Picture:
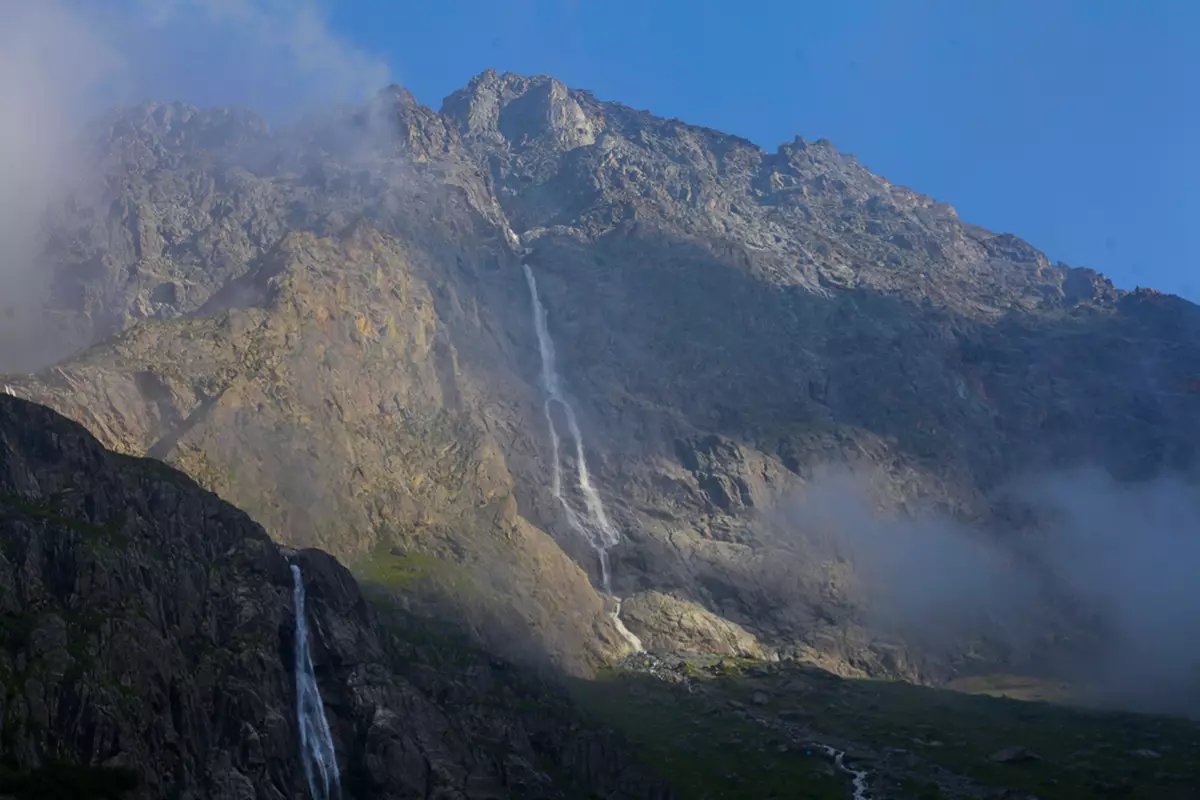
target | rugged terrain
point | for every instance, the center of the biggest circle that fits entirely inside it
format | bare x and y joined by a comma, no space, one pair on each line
740,728
328,326
146,635
146,640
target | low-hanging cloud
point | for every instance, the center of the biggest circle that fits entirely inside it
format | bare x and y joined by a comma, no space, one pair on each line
278,56
63,62
1102,590
51,61
917,574
1131,552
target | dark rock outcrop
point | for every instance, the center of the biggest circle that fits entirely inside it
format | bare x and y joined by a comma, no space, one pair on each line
147,625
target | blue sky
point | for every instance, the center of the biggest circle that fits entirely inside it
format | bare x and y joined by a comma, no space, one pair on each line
1072,123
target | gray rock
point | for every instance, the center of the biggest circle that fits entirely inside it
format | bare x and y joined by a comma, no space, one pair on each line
1013,755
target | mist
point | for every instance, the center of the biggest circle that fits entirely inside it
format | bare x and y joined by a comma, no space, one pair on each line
50,63
64,62
1103,592
1131,552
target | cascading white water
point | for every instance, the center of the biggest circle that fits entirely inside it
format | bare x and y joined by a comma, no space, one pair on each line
859,776
316,741
593,524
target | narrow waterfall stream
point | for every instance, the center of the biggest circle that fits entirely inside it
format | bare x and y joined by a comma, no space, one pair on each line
859,776
316,742
591,522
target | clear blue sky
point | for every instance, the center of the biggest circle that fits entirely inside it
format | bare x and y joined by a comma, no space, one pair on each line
1072,123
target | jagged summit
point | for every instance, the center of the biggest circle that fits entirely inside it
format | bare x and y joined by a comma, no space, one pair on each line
398,94
518,109
537,121
539,117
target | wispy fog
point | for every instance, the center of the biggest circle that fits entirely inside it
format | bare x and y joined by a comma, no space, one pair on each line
51,62
1119,563
1132,553
64,61
920,575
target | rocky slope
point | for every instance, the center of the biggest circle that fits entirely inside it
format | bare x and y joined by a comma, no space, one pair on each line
147,625
329,326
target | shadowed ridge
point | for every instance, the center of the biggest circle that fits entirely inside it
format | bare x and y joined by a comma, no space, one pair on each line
178,669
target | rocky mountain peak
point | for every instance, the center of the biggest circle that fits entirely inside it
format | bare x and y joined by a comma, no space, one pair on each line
520,111
397,94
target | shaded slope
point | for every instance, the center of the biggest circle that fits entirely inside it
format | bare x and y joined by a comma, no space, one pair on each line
735,728
337,411
147,626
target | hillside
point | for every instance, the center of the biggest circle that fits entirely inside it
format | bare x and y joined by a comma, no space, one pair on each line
329,326
146,633
146,641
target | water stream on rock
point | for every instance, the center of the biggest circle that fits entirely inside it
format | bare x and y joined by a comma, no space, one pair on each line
859,775
593,523
316,741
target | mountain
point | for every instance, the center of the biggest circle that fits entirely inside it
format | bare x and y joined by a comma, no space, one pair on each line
147,641
330,327
146,633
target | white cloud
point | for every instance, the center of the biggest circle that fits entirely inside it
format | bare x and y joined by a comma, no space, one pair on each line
269,49
63,61
51,61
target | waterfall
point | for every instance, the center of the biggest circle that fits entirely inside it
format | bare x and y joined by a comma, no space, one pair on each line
859,776
592,523
316,742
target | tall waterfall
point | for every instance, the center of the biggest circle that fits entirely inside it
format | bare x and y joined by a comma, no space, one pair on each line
316,741
592,522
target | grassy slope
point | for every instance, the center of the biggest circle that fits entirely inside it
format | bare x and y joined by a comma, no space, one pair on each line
708,743
704,751
919,743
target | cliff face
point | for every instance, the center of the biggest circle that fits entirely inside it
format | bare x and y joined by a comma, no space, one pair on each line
329,327
148,625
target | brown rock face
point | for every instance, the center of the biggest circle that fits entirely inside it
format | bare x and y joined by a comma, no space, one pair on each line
334,406
329,327
148,625
663,622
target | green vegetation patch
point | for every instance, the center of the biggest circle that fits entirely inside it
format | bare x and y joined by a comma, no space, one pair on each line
917,738
1067,753
394,570
1018,687
445,583
700,748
